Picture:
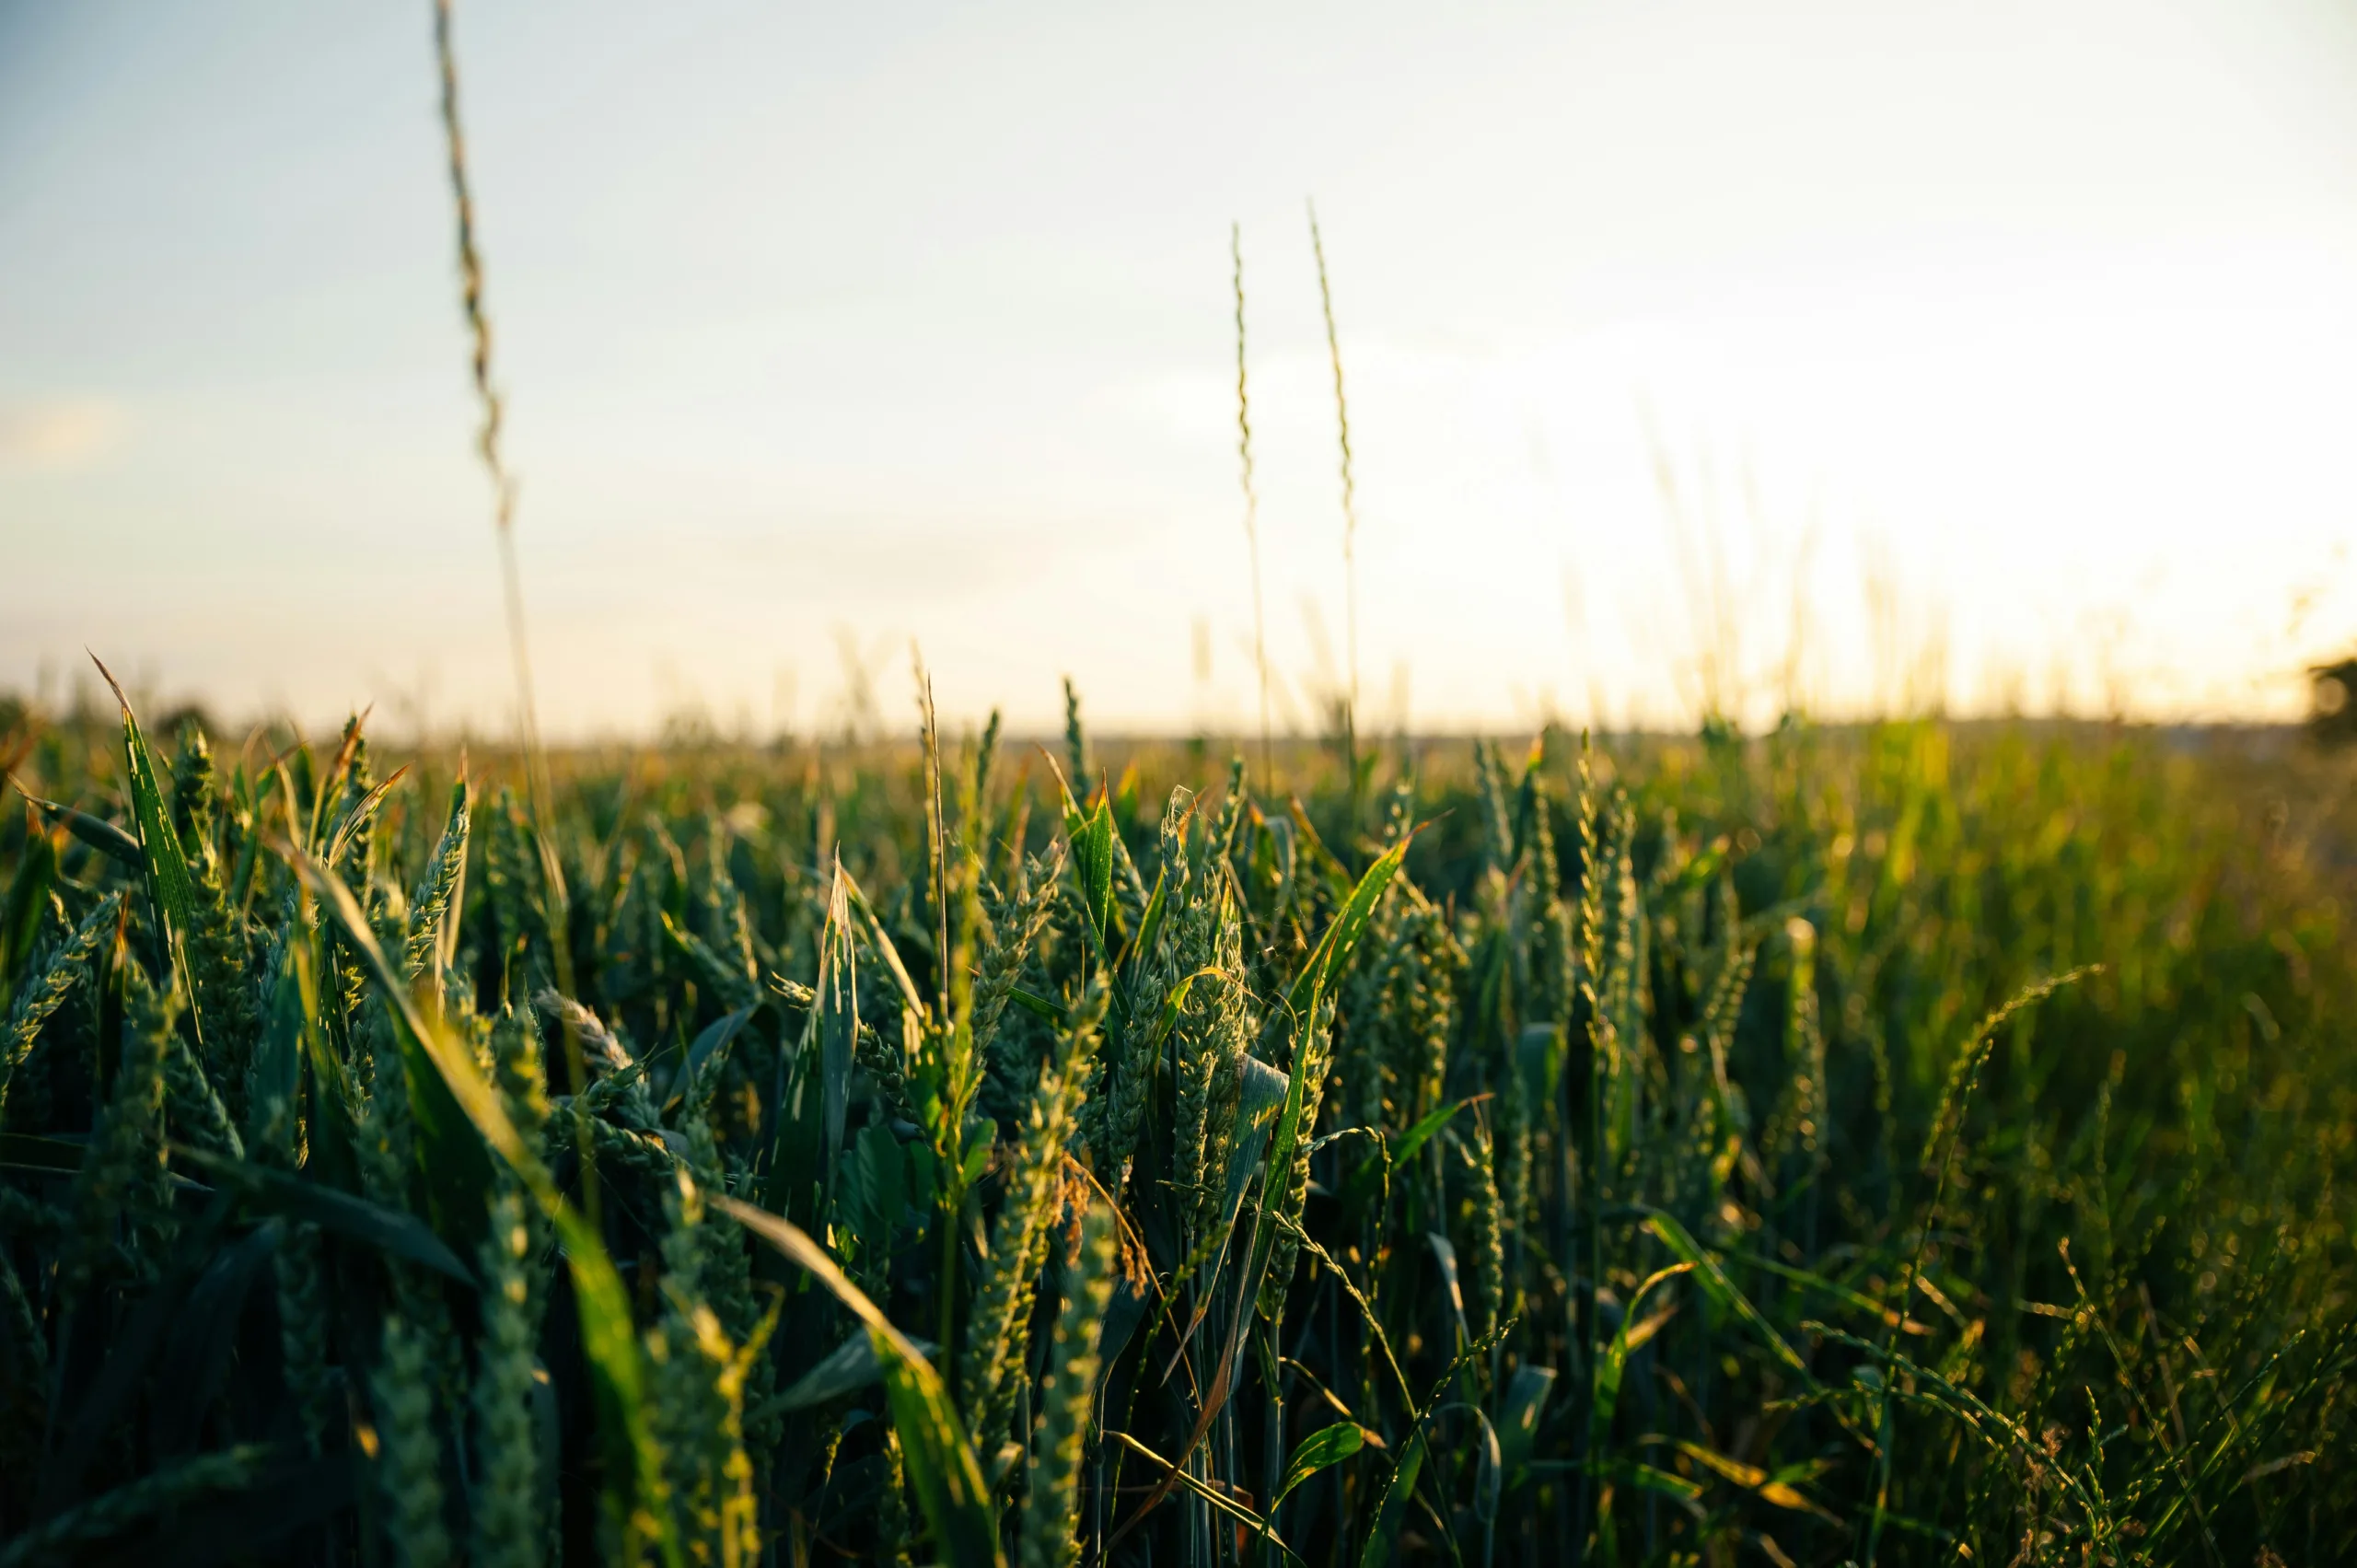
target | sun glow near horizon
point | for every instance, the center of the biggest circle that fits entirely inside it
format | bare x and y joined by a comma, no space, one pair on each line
1861,358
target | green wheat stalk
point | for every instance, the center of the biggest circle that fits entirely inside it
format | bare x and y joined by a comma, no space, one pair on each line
411,1471
35,1004
1018,1240
508,1530
1051,1532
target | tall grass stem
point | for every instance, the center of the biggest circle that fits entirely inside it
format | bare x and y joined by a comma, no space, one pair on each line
1349,495
538,788
1251,503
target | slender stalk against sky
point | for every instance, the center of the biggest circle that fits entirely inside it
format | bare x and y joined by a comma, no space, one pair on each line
1350,489
1251,499
503,484
537,785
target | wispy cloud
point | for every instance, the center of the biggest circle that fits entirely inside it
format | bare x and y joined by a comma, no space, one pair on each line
58,432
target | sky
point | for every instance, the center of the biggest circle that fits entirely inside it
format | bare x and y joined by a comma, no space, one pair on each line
1703,352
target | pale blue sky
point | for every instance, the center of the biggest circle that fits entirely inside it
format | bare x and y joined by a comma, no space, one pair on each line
902,323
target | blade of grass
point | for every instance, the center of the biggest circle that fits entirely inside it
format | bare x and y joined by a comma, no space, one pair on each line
1217,1498
276,1191
96,832
1252,508
941,1462
838,1014
1325,1446
169,882
1616,1358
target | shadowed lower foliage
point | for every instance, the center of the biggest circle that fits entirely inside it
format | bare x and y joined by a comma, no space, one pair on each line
1898,1144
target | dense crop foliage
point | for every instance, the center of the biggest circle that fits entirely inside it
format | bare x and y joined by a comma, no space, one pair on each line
1885,1145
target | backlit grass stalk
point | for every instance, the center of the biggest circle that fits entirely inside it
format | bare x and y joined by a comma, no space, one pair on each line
1252,506
487,435
503,485
1350,497
1589,1199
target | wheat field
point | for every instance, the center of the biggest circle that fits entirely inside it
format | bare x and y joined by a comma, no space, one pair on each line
1900,1142
1909,1143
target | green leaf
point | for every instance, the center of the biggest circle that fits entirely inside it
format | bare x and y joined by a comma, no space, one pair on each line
278,1057
848,1368
1150,924
711,1042
51,1156
1716,1283
1097,882
357,817
976,1157
1094,848
168,883
1518,1420
97,832
1327,1446
1260,1095
795,1182
1888,1317
940,1461
1413,1141
335,1138
609,1337
1037,1005
1330,870
882,943
1172,1006
837,1012
728,981
1776,1488
280,1192
204,1336
1333,951
1489,1472
872,1191
449,1154
1092,843
21,916
1453,1286
1615,1360
1646,1478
